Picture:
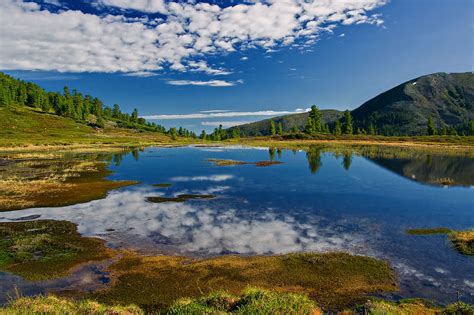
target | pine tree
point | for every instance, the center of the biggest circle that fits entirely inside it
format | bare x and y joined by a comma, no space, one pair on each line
272,128
315,115
372,130
236,133
203,135
280,128
471,128
348,124
430,127
337,128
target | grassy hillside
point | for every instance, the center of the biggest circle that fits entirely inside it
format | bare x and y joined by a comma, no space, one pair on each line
404,110
21,125
262,128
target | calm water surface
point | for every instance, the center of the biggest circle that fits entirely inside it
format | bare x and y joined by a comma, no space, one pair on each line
315,201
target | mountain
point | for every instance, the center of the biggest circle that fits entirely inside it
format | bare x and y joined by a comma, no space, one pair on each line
403,110
262,127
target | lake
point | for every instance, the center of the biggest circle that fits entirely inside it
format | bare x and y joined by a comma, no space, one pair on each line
361,201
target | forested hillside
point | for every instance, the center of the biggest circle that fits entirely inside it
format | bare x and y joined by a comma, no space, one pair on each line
439,103
81,108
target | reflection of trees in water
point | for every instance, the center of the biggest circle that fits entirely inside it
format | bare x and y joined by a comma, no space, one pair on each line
347,160
314,159
271,153
279,153
135,154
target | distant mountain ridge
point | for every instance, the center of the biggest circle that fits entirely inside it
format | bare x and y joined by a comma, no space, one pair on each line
403,110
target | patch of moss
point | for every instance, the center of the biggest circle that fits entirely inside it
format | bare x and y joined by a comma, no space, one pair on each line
429,231
251,301
266,163
178,198
334,280
55,305
219,162
463,241
162,185
46,249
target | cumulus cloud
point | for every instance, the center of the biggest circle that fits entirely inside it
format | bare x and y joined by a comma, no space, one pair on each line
223,114
213,83
74,41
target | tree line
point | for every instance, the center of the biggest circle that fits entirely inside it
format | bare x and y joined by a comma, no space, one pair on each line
345,126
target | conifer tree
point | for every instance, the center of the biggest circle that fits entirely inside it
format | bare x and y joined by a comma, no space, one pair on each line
272,128
430,127
280,128
348,124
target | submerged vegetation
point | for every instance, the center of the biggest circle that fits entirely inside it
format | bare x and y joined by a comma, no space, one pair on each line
219,162
333,280
463,241
178,198
46,249
54,179
162,185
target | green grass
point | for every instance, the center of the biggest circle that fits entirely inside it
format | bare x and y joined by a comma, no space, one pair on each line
46,249
429,231
412,307
251,301
333,280
57,306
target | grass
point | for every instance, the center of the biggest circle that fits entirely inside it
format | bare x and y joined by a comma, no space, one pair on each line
251,301
413,307
178,198
57,306
429,231
334,280
45,179
46,249
463,241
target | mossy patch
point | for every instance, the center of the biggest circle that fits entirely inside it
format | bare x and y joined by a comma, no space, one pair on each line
463,241
46,249
334,280
429,231
251,301
55,305
178,198
219,162
162,185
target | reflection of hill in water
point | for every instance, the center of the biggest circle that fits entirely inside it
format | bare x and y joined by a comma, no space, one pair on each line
434,170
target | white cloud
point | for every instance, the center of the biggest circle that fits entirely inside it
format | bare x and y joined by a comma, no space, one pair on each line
213,83
214,111
224,123
210,178
74,41
142,74
151,6
244,58
222,114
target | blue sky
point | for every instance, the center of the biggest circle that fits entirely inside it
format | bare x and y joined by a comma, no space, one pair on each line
275,62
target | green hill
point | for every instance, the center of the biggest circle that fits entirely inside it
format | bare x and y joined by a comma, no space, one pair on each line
262,128
402,110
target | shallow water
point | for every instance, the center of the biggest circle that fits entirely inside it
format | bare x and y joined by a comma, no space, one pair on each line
315,201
